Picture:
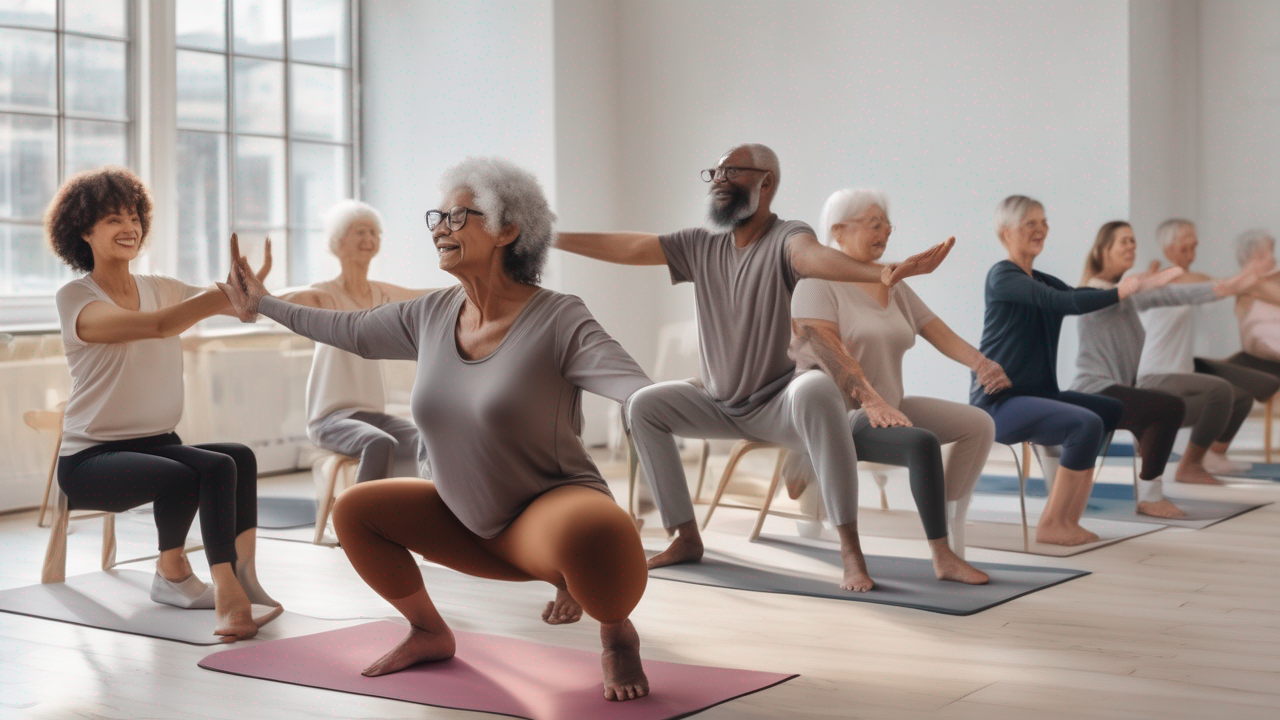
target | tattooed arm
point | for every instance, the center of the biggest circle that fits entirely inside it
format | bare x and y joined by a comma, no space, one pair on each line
823,337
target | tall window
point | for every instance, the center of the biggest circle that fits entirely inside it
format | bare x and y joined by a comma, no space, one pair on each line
65,105
264,142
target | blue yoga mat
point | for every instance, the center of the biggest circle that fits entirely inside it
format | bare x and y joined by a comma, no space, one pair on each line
1008,485
1259,471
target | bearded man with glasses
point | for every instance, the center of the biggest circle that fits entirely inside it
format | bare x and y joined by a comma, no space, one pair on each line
744,268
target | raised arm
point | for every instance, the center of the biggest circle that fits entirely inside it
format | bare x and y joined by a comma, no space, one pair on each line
823,337
1008,283
989,373
624,248
812,259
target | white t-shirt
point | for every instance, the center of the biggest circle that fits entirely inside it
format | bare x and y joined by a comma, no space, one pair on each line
1171,341
120,391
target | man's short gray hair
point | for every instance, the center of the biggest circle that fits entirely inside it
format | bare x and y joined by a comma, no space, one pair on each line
1013,210
508,195
845,204
1250,241
1169,230
763,157
339,219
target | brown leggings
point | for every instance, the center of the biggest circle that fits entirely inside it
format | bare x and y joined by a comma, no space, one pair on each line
571,534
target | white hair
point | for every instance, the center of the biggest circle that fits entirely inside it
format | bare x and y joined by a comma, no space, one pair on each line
1169,230
1013,210
1249,242
339,219
508,195
845,204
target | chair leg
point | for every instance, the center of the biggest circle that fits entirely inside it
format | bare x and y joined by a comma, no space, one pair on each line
1102,456
53,468
633,469
1024,469
882,480
768,496
325,504
108,541
702,469
55,555
739,450
1266,440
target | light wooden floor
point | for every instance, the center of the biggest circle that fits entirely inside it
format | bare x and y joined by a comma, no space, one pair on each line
1173,624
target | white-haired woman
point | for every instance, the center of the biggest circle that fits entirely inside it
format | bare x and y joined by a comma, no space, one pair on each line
346,398
862,331
502,364
1020,329
1170,343
1259,314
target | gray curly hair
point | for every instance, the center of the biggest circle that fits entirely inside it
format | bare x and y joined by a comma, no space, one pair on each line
508,195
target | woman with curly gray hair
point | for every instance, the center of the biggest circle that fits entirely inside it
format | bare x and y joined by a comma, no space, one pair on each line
502,364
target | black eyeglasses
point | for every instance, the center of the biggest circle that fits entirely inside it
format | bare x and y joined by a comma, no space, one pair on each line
457,217
728,172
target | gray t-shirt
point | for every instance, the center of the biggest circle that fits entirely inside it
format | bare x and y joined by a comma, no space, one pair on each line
502,430
744,310
1111,339
876,337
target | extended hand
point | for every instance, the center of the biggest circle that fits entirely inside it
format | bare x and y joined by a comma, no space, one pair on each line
992,377
243,287
882,415
918,264
1148,281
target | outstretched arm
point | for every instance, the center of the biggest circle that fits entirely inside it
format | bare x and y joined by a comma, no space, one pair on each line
624,248
309,297
990,375
812,259
824,337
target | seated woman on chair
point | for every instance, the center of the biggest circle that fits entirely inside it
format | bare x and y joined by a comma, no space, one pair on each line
119,449
1155,406
858,334
502,364
1170,347
346,398
1024,313
1259,312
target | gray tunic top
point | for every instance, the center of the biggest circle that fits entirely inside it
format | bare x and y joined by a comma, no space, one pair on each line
744,310
498,431
1111,338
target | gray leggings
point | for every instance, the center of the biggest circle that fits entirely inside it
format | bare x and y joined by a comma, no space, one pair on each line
1215,408
386,445
808,416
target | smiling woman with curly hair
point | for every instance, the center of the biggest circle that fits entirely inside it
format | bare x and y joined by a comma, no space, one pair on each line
119,449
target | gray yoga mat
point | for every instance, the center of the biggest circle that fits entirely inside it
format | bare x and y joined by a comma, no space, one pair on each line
905,582
276,513
1107,501
119,600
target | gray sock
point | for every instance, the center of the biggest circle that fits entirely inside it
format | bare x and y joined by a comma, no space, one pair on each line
190,594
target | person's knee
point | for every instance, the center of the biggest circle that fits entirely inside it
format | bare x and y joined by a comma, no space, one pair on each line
382,447
220,471
644,406
815,394
1083,442
981,428
922,446
1109,413
355,504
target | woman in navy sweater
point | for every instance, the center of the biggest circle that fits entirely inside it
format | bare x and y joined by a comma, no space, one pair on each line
1020,330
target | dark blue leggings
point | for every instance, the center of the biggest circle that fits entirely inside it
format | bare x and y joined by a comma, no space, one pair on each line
1076,421
217,480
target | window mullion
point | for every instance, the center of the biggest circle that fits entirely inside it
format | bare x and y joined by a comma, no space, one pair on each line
288,135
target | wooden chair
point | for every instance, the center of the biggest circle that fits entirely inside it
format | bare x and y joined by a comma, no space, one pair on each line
47,421
326,471
741,448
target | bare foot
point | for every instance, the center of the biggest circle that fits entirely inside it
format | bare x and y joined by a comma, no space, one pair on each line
624,677
949,566
856,577
270,615
1064,535
418,646
686,548
1195,474
235,624
1161,509
563,610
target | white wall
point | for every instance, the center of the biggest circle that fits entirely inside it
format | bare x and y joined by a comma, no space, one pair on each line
1239,158
445,79
947,106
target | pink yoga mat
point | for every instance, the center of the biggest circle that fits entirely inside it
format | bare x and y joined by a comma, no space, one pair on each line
489,674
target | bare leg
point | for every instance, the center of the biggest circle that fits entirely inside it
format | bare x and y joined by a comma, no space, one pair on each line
686,548
563,610
1191,467
246,569
856,577
624,677
173,565
429,638
231,605
949,566
1060,522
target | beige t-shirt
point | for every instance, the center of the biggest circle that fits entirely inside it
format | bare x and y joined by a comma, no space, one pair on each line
342,382
877,337
120,391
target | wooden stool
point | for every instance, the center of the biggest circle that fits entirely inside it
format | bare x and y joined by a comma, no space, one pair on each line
47,421
742,447
325,472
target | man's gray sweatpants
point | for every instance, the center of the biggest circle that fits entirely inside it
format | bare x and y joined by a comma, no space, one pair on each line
808,416
386,445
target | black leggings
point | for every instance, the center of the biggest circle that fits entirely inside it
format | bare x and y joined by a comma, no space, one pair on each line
920,452
1153,417
218,480
1251,376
